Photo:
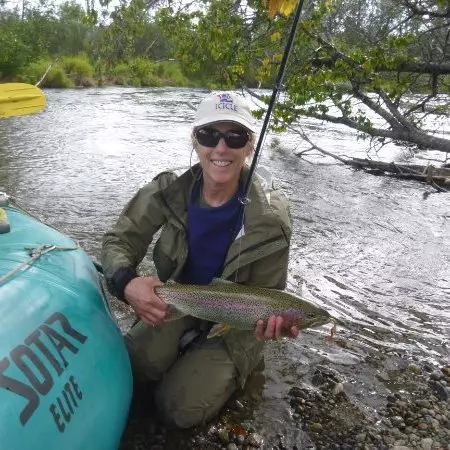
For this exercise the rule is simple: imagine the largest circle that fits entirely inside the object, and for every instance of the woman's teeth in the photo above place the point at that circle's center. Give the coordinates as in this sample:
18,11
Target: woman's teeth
221,163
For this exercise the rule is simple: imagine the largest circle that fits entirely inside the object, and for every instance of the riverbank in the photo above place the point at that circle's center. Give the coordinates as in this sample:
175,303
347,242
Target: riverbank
414,418
410,412
78,71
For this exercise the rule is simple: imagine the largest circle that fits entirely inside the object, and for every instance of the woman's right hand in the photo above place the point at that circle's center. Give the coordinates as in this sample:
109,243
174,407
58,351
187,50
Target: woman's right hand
140,294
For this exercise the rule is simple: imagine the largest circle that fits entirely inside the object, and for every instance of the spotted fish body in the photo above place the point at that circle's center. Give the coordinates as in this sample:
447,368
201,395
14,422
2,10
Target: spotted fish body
239,306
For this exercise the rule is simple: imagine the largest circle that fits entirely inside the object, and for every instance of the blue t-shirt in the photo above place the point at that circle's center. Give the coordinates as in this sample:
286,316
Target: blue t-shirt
210,233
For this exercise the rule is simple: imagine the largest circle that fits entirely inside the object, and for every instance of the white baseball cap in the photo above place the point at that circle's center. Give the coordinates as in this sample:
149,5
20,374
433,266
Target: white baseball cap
224,107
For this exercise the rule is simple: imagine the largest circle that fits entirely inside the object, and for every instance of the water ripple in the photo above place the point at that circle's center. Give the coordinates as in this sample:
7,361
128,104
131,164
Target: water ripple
369,249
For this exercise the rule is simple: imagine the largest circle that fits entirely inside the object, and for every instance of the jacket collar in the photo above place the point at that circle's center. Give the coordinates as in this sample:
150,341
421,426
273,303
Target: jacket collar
176,195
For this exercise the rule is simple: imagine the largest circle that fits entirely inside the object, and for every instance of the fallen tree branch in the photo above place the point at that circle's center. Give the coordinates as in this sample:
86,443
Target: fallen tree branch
434,176
438,178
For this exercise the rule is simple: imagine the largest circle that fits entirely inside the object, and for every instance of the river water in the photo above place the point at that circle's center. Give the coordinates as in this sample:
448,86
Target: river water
374,251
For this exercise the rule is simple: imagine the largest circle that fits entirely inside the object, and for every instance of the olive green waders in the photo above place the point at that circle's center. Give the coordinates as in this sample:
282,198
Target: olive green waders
193,386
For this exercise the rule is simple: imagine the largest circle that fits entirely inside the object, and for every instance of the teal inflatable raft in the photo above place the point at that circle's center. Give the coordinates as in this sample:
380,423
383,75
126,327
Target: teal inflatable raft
65,378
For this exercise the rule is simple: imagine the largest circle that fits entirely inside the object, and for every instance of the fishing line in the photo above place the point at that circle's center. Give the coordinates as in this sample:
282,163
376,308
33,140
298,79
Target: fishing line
275,93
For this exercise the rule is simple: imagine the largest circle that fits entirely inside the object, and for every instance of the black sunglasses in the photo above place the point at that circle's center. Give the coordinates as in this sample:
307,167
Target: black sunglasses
210,137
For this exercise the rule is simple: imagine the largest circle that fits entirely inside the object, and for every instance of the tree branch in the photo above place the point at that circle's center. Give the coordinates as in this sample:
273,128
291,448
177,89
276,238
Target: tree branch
394,110
377,108
407,66
423,103
426,12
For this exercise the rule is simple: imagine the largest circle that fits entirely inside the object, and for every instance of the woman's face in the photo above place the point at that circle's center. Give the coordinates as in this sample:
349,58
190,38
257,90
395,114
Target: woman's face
222,164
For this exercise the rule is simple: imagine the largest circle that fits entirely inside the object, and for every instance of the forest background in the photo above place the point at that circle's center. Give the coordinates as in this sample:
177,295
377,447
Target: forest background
351,58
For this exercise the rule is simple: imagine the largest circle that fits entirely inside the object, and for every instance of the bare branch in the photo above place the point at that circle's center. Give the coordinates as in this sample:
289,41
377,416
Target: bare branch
426,12
377,108
394,110
423,103
398,25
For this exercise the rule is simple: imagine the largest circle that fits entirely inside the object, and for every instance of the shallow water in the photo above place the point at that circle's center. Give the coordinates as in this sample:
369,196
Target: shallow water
372,250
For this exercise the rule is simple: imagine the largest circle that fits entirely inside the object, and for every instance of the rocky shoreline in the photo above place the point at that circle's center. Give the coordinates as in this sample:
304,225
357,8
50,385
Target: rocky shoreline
416,417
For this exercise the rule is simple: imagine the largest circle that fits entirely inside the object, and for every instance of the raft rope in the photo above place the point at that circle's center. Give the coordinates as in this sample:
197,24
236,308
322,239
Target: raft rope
35,254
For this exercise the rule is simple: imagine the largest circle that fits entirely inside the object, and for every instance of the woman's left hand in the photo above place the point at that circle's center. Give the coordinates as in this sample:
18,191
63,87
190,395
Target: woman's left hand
275,329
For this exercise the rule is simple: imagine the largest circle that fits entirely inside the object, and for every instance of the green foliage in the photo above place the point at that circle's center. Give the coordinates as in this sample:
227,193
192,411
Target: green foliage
78,69
14,54
138,72
77,66
170,74
118,40
144,72
209,44
55,78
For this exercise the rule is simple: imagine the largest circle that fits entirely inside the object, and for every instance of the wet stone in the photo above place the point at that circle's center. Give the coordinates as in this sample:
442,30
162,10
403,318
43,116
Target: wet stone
397,421
415,369
338,389
426,444
423,403
224,435
316,427
442,392
254,439
437,375
239,405
296,392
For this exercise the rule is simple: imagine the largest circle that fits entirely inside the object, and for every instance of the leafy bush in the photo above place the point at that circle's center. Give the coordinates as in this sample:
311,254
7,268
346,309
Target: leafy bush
138,72
171,74
13,54
55,78
77,67
121,74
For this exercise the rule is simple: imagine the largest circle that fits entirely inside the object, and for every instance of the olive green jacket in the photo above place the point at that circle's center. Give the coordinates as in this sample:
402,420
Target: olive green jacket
258,256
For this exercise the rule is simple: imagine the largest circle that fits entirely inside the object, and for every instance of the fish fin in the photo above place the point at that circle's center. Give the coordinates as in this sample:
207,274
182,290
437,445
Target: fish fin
173,314
221,281
219,329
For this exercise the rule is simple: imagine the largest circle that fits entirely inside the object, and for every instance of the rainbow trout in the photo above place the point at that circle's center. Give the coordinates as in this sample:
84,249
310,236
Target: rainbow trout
235,305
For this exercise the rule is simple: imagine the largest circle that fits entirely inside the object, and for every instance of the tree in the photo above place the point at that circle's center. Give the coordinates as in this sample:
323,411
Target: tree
352,59
198,38
375,54
71,32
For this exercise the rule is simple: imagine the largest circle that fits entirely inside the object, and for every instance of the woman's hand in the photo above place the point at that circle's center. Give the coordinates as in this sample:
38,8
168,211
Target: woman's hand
140,294
275,329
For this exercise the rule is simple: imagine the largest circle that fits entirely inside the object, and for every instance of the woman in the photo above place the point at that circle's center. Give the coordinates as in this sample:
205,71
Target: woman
206,232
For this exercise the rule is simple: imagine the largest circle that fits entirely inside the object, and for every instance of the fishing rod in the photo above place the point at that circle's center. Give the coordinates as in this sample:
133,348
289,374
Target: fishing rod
275,91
